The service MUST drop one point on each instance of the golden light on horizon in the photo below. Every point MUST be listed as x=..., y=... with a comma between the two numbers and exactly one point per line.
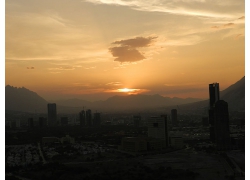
x=127, y=90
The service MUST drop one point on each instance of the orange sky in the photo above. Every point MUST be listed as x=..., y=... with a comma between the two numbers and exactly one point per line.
x=90, y=49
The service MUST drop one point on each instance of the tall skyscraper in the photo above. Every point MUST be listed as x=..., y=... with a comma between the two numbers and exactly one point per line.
x=174, y=117
x=165, y=116
x=89, y=117
x=52, y=115
x=222, y=134
x=82, y=118
x=157, y=128
x=214, y=96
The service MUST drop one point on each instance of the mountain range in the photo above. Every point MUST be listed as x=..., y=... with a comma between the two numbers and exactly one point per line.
x=24, y=100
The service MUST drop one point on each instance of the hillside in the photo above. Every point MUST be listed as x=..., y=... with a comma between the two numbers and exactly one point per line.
x=24, y=100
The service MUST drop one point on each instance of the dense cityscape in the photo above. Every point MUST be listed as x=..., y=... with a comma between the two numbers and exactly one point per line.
x=94, y=145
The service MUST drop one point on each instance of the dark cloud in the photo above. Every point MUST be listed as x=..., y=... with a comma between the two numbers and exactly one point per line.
x=127, y=50
x=242, y=17
x=30, y=68
x=126, y=54
x=136, y=42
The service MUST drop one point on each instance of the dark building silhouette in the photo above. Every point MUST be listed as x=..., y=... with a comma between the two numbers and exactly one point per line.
x=42, y=122
x=174, y=117
x=52, y=115
x=97, y=119
x=13, y=124
x=157, y=128
x=165, y=116
x=137, y=121
x=218, y=119
x=82, y=118
x=30, y=122
x=214, y=94
x=64, y=121
x=222, y=134
x=89, y=117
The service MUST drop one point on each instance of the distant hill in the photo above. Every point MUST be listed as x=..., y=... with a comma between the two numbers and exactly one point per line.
x=22, y=99
x=234, y=95
x=127, y=102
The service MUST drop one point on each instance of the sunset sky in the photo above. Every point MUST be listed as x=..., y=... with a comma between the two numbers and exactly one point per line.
x=94, y=49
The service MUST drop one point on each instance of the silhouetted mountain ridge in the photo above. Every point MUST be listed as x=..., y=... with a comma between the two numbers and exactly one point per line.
x=24, y=100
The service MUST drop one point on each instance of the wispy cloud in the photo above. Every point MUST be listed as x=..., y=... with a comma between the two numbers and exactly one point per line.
x=63, y=68
x=228, y=24
x=242, y=17
x=30, y=67
x=93, y=67
x=238, y=36
x=114, y=84
x=201, y=8
x=223, y=26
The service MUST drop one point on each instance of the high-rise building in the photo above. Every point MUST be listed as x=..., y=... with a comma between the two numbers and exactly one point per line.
x=218, y=118
x=97, y=119
x=89, y=117
x=214, y=94
x=222, y=134
x=165, y=116
x=52, y=115
x=174, y=117
x=157, y=128
x=82, y=118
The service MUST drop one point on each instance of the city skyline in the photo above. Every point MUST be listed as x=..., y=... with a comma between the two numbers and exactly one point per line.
x=95, y=49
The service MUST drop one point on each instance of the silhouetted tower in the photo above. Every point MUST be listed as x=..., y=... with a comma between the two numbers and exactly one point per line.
x=137, y=120
x=157, y=128
x=52, y=115
x=174, y=117
x=165, y=116
x=97, y=119
x=214, y=96
x=89, y=117
x=82, y=118
x=222, y=134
